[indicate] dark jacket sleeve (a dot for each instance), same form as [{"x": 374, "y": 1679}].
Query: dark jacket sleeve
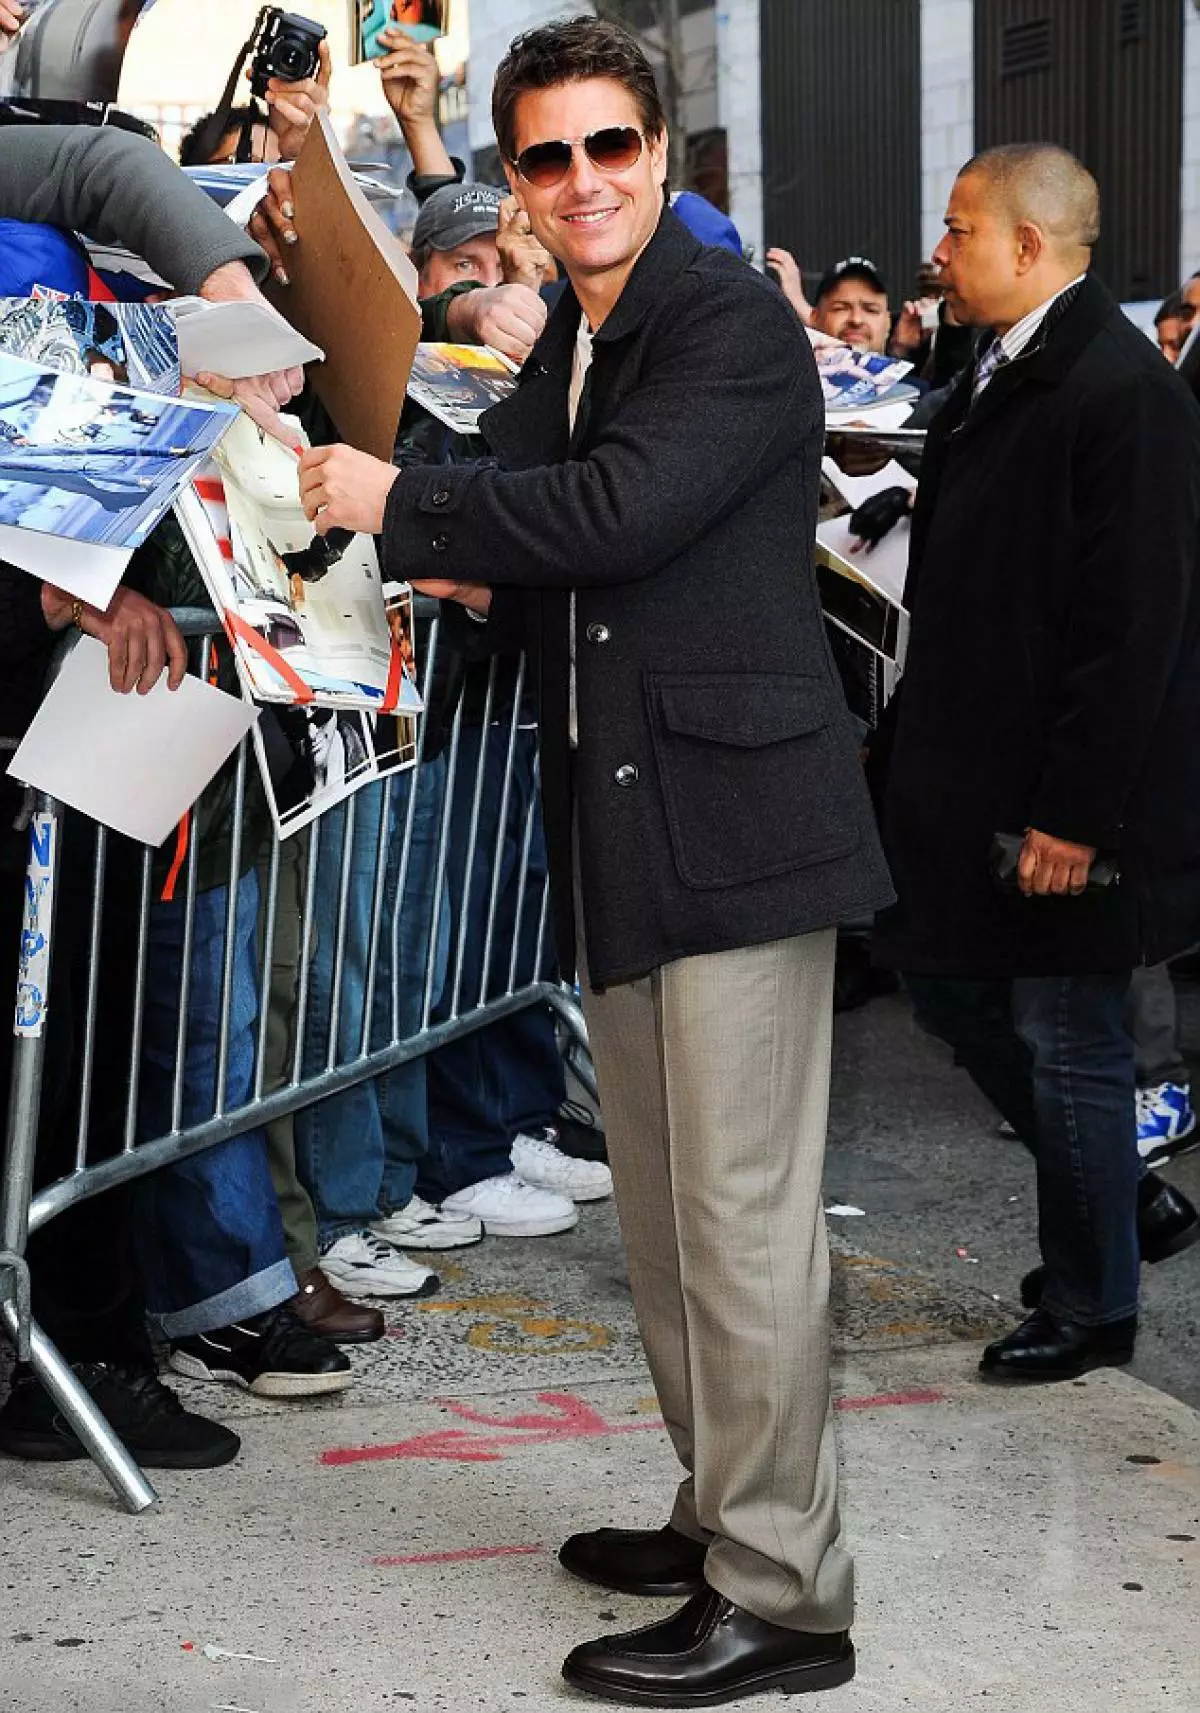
[
  {"x": 120, "y": 189},
  {"x": 726, "y": 395},
  {"x": 423, "y": 184},
  {"x": 1136, "y": 480}
]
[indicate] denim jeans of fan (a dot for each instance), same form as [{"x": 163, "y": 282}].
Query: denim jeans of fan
[
  {"x": 208, "y": 1231},
  {"x": 507, "y": 1078},
  {"x": 358, "y": 1151},
  {"x": 1052, "y": 1055}
]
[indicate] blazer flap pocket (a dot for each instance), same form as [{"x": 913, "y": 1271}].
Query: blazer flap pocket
[{"x": 748, "y": 710}]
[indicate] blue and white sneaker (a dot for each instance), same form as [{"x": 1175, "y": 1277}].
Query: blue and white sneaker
[{"x": 1166, "y": 1120}]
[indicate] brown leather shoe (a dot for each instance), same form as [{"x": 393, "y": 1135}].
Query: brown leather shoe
[{"x": 321, "y": 1307}]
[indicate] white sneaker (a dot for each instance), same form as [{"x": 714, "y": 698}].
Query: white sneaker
[
  {"x": 419, "y": 1226},
  {"x": 363, "y": 1266},
  {"x": 509, "y": 1207},
  {"x": 538, "y": 1160}
]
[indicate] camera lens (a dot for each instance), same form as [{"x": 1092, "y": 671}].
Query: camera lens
[{"x": 293, "y": 58}]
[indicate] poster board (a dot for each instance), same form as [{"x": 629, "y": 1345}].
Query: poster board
[{"x": 353, "y": 292}]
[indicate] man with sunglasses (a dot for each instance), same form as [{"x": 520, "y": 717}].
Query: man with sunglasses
[{"x": 707, "y": 826}]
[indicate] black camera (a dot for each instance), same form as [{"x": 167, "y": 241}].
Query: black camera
[{"x": 286, "y": 46}]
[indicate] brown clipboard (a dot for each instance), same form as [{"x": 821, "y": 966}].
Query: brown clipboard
[{"x": 353, "y": 292}]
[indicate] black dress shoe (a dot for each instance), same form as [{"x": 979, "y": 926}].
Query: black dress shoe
[
  {"x": 637, "y": 1561},
  {"x": 1167, "y": 1224},
  {"x": 1043, "y": 1348},
  {"x": 709, "y": 1653}
]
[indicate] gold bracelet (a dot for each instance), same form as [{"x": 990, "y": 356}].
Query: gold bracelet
[{"x": 77, "y": 614}]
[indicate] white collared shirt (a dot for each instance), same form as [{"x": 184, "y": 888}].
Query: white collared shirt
[
  {"x": 1022, "y": 332},
  {"x": 579, "y": 371}
]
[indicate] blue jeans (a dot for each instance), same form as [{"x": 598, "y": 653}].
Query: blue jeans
[
  {"x": 1052, "y": 1055},
  {"x": 507, "y": 1078},
  {"x": 357, "y": 1152},
  {"x": 210, "y": 1239}
]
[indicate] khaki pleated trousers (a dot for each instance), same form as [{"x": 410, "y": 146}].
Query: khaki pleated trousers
[{"x": 714, "y": 1082}]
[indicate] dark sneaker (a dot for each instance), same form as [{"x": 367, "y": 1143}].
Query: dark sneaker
[
  {"x": 145, "y": 1414},
  {"x": 270, "y": 1354}
]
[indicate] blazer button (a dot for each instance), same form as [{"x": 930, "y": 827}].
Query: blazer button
[
  {"x": 598, "y": 633},
  {"x": 627, "y": 774},
  {"x": 441, "y": 498},
  {"x": 440, "y": 543}
]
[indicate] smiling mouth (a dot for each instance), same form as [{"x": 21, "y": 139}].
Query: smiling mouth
[{"x": 588, "y": 217}]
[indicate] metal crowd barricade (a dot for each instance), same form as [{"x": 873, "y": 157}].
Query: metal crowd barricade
[{"x": 508, "y": 983}]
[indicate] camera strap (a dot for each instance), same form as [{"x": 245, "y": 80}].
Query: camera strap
[{"x": 217, "y": 125}]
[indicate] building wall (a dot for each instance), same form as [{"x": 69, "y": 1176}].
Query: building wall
[
  {"x": 739, "y": 110},
  {"x": 1189, "y": 201},
  {"x": 947, "y": 105},
  {"x": 494, "y": 23}
]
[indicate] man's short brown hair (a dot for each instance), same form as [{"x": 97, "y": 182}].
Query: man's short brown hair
[{"x": 570, "y": 52}]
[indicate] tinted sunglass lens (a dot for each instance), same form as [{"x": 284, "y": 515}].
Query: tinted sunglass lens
[
  {"x": 615, "y": 148},
  {"x": 544, "y": 164}
]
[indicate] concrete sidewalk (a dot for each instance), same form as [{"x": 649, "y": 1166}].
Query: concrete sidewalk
[{"x": 1017, "y": 1550}]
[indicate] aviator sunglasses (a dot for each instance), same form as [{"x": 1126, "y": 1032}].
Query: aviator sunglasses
[{"x": 614, "y": 149}]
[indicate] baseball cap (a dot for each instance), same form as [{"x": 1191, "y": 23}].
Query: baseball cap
[
  {"x": 456, "y": 214},
  {"x": 34, "y": 255},
  {"x": 706, "y": 222},
  {"x": 851, "y": 267}
]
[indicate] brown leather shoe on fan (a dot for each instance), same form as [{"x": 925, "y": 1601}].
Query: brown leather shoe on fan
[{"x": 321, "y": 1307}]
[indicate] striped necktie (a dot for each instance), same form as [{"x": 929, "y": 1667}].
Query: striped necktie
[{"x": 993, "y": 358}]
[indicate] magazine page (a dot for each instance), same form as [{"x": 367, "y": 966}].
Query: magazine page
[
  {"x": 457, "y": 383},
  {"x": 302, "y": 630},
  {"x": 92, "y": 461},
  {"x": 851, "y": 378},
  {"x": 312, "y": 758},
  {"x": 423, "y": 20},
  {"x": 133, "y": 343}
]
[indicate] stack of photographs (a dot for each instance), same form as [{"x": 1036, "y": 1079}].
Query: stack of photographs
[
  {"x": 133, "y": 343},
  {"x": 457, "y": 383},
  {"x": 88, "y": 467}
]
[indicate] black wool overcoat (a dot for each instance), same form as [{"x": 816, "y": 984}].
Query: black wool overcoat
[
  {"x": 716, "y": 783},
  {"x": 1053, "y": 674}
]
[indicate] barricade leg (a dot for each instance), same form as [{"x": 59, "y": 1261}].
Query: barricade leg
[
  {"x": 88, "y": 1425},
  {"x": 578, "y": 1054},
  {"x": 16, "y": 1182}
]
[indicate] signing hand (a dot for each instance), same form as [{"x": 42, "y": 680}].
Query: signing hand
[
  {"x": 11, "y": 19},
  {"x": 141, "y": 638},
  {"x": 1050, "y": 867},
  {"x": 294, "y": 106},
  {"x": 344, "y": 489},
  {"x": 523, "y": 260},
  {"x": 510, "y": 318},
  {"x": 473, "y": 595}
]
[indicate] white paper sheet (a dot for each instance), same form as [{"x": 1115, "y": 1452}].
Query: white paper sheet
[
  {"x": 855, "y": 489},
  {"x": 134, "y": 763},
  {"x": 886, "y": 566},
  {"x": 237, "y": 339},
  {"x": 85, "y": 569},
  {"x": 880, "y": 417}
]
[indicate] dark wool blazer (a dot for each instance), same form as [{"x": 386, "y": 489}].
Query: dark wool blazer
[
  {"x": 717, "y": 787},
  {"x": 1053, "y": 674}
]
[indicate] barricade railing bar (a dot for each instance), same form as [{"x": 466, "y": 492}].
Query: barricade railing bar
[{"x": 403, "y": 1013}]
